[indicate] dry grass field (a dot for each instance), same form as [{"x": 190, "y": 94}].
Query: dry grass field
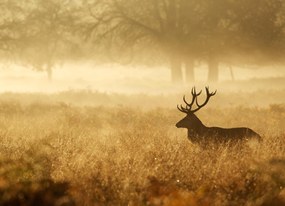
[{"x": 61, "y": 149}]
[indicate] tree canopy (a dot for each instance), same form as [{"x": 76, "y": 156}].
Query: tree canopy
[{"x": 178, "y": 33}]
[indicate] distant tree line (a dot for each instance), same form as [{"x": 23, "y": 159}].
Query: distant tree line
[{"x": 175, "y": 33}]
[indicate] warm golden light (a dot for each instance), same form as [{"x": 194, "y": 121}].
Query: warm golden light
[{"x": 100, "y": 102}]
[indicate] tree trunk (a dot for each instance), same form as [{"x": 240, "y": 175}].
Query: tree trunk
[
  {"x": 189, "y": 71},
  {"x": 213, "y": 73},
  {"x": 49, "y": 72},
  {"x": 232, "y": 73},
  {"x": 176, "y": 70}
]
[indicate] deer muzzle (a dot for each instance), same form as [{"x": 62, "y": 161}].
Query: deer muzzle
[{"x": 179, "y": 124}]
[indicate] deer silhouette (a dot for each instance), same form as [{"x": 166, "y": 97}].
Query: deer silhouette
[{"x": 199, "y": 133}]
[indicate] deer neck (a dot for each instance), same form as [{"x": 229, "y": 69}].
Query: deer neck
[{"x": 198, "y": 129}]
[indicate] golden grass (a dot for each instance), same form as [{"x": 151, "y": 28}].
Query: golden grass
[{"x": 59, "y": 154}]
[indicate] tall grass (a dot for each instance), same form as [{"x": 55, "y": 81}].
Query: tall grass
[{"x": 59, "y": 154}]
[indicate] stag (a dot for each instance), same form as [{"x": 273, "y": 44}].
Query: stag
[{"x": 199, "y": 133}]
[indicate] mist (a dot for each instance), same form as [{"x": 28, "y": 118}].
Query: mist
[
  {"x": 115, "y": 78},
  {"x": 142, "y": 102},
  {"x": 141, "y": 46}
]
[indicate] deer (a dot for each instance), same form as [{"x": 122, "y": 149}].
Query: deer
[{"x": 201, "y": 134}]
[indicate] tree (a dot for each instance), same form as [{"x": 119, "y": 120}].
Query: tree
[
  {"x": 44, "y": 38},
  {"x": 261, "y": 26},
  {"x": 11, "y": 21},
  {"x": 216, "y": 32},
  {"x": 140, "y": 24},
  {"x": 259, "y": 38},
  {"x": 241, "y": 32},
  {"x": 184, "y": 31}
]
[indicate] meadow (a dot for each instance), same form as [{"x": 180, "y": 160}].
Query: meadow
[{"x": 91, "y": 148}]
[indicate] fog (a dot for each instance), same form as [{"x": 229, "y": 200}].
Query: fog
[
  {"x": 114, "y": 78},
  {"x": 91, "y": 93},
  {"x": 133, "y": 47}
]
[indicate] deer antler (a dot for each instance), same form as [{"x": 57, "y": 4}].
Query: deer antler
[
  {"x": 194, "y": 96},
  {"x": 209, "y": 94},
  {"x": 188, "y": 108}
]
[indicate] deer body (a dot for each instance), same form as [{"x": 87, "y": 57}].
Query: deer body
[{"x": 199, "y": 133}]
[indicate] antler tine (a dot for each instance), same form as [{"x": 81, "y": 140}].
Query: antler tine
[
  {"x": 194, "y": 96},
  {"x": 209, "y": 94},
  {"x": 182, "y": 109},
  {"x": 188, "y": 107},
  {"x": 187, "y": 104},
  {"x": 194, "y": 93},
  {"x": 213, "y": 93}
]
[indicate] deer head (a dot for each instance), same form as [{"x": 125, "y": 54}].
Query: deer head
[{"x": 191, "y": 121}]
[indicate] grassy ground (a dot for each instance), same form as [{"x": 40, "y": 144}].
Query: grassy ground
[{"x": 56, "y": 151}]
